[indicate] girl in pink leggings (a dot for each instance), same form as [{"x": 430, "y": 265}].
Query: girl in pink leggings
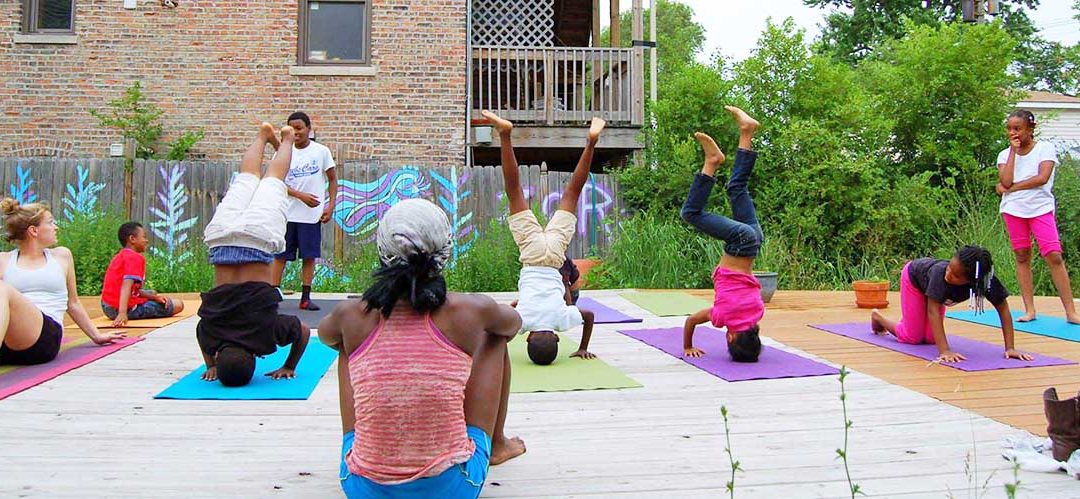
[
  {"x": 1026, "y": 174},
  {"x": 928, "y": 285}
]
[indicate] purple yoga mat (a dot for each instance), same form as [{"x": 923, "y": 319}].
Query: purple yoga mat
[
  {"x": 28, "y": 376},
  {"x": 604, "y": 314},
  {"x": 772, "y": 363},
  {"x": 981, "y": 356}
]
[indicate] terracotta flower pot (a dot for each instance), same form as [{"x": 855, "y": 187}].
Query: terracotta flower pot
[
  {"x": 584, "y": 265},
  {"x": 871, "y": 294}
]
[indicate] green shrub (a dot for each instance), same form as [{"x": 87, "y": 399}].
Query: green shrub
[
  {"x": 192, "y": 275},
  {"x": 490, "y": 265},
  {"x": 93, "y": 243}
]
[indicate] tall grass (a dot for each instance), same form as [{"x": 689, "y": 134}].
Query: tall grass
[{"x": 491, "y": 264}]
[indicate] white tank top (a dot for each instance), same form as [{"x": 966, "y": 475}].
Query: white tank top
[{"x": 45, "y": 287}]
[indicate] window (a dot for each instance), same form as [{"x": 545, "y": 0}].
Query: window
[
  {"x": 335, "y": 32},
  {"x": 48, "y": 16}
]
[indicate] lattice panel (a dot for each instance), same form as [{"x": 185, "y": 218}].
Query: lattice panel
[{"x": 514, "y": 23}]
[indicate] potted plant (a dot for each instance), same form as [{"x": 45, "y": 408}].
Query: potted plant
[
  {"x": 871, "y": 293},
  {"x": 768, "y": 282},
  {"x": 584, "y": 265}
]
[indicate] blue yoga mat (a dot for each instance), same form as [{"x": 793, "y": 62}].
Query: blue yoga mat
[
  {"x": 313, "y": 365},
  {"x": 1043, "y": 325}
]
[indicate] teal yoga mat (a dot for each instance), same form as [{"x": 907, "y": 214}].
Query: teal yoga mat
[
  {"x": 1043, "y": 325},
  {"x": 313, "y": 365}
]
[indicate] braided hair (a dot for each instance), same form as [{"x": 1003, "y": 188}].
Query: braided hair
[
  {"x": 418, "y": 278},
  {"x": 1025, "y": 115},
  {"x": 979, "y": 266}
]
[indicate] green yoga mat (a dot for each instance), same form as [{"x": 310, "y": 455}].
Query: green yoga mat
[
  {"x": 565, "y": 374},
  {"x": 667, "y": 303}
]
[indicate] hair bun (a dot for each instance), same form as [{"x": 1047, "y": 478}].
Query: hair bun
[{"x": 9, "y": 206}]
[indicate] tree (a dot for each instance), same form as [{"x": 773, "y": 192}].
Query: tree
[
  {"x": 860, "y": 27},
  {"x": 681, "y": 39}
]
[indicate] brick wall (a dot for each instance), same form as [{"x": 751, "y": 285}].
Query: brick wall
[{"x": 223, "y": 66}]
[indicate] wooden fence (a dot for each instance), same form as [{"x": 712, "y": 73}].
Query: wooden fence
[{"x": 176, "y": 199}]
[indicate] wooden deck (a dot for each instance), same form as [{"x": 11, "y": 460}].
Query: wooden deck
[{"x": 97, "y": 431}]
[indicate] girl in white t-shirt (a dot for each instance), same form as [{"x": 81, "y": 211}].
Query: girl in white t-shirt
[{"x": 1026, "y": 174}]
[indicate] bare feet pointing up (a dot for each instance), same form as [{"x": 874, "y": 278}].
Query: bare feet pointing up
[
  {"x": 595, "y": 128},
  {"x": 502, "y": 126},
  {"x": 266, "y": 132},
  {"x": 745, "y": 122},
  {"x": 713, "y": 156}
]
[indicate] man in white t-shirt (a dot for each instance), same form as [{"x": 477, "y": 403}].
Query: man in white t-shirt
[{"x": 311, "y": 169}]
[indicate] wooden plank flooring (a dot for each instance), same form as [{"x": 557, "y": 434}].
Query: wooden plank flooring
[{"x": 97, "y": 432}]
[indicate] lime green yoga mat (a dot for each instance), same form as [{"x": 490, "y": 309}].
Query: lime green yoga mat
[
  {"x": 666, "y": 303},
  {"x": 565, "y": 374}
]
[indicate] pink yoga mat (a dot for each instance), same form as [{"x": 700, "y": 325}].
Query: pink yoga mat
[
  {"x": 27, "y": 376},
  {"x": 604, "y": 313},
  {"x": 772, "y": 363},
  {"x": 981, "y": 356}
]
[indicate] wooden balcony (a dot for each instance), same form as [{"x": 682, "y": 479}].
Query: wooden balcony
[{"x": 558, "y": 86}]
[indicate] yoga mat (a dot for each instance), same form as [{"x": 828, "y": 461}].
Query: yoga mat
[
  {"x": 1043, "y": 325},
  {"x": 604, "y": 313},
  {"x": 18, "y": 378},
  {"x": 773, "y": 363},
  {"x": 981, "y": 356},
  {"x": 191, "y": 307},
  {"x": 565, "y": 374},
  {"x": 667, "y": 303},
  {"x": 313, "y": 365},
  {"x": 308, "y": 317}
]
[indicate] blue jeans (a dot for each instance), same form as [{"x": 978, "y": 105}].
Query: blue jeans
[
  {"x": 742, "y": 236},
  {"x": 460, "y": 481}
]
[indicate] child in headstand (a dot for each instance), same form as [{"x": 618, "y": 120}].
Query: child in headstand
[
  {"x": 1026, "y": 174},
  {"x": 737, "y": 304},
  {"x": 239, "y": 318},
  {"x": 928, "y": 285},
  {"x": 544, "y": 301}
]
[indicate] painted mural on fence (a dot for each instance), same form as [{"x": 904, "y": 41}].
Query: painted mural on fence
[
  {"x": 358, "y": 205},
  {"x": 169, "y": 224},
  {"x": 453, "y": 194},
  {"x": 82, "y": 198},
  {"x": 23, "y": 188}
]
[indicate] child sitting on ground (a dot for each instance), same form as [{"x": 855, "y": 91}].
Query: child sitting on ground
[
  {"x": 122, "y": 295},
  {"x": 239, "y": 318},
  {"x": 737, "y": 304},
  {"x": 928, "y": 285},
  {"x": 544, "y": 300}
]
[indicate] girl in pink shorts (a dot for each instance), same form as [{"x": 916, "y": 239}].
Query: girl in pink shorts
[
  {"x": 928, "y": 285},
  {"x": 1026, "y": 174}
]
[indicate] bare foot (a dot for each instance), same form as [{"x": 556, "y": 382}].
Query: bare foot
[
  {"x": 746, "y": 123},
  {"x": 288, "y": 134},
  {"x": 595, "y": 128},
  {"x": 507, "y": 450},
  {"x": 1027, "y": 317},
  {"x": 713, "y": 155},
  {"x": 876, "y": 322},
  {"x": 266, "y": 132},
  {"x": 502, "y": 126},
  {"x": 1072, "y": 319}
]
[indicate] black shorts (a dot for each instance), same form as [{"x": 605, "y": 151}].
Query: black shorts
[{"x": 44, "y": 350}]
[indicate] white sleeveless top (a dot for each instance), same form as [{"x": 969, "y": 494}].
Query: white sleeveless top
[{"x": 45, "y": 287}]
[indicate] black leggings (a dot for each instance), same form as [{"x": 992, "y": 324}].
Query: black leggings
[{"x": 44, "y": 350}]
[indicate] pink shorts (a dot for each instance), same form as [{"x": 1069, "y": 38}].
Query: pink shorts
[{"x": 1043, "y": 227}]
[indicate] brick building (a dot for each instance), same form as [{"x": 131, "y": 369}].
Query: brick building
[{"x": 385, "y": 80}]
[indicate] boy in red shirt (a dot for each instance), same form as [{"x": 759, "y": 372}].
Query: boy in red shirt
[{"x": 122, "y": 296}]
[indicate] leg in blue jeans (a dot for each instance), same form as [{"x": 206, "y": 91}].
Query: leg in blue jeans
[
  {"x": 742, "y": 239},
  {"x": 742, "y": 205}
]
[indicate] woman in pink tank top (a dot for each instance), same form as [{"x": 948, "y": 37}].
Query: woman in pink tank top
[{"x": 424, "y": 374}]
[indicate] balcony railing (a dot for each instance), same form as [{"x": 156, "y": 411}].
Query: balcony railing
[{"x": 556, "y": 85}]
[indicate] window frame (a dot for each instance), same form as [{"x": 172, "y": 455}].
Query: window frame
[
  {"x": 30, "y": 20},
  {"x": 302, "y": 36}
]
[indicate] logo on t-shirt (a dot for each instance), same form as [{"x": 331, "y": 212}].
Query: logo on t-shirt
[{"x": 305, "y": 170}]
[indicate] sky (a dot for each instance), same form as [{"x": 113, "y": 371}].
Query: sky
[{"x": 733, "y": 26}]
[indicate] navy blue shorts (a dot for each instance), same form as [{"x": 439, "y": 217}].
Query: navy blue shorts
[{"x": 305, "y": 239}]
